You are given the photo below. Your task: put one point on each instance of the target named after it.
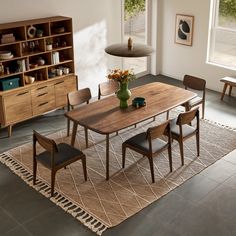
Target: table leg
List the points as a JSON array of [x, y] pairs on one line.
[[9, 130], [74, 131], [230, 90], [224, 89], [86, 136], [107, 157]]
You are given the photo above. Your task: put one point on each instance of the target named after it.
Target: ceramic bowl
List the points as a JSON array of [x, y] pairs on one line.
[[139, 101], [29, 79]]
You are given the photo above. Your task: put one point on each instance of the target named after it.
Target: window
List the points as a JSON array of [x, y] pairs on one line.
[[136, 25], [222, 44]]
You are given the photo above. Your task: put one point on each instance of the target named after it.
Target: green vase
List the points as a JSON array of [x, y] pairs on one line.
[[124, 94]]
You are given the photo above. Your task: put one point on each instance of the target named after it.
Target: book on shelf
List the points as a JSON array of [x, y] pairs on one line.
[[55, 58]]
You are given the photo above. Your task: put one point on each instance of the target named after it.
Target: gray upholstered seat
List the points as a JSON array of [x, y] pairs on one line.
[[65, 153], [141, 141], [186, 129]]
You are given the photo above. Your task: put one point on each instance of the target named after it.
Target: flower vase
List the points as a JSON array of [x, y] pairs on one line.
[[123, 94]]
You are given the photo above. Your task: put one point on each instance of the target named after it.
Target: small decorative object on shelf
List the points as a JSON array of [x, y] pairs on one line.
[[31, 32], [8, 38], [1, 69], [60, 30], [40, 61], [39, 33], [49, 43], [29, 79], [123, 77]]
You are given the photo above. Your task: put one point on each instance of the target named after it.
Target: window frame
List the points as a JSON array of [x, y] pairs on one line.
[[213, 27], [147, 33]]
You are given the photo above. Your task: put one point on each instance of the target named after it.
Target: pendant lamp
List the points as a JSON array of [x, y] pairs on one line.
[[129, 50]]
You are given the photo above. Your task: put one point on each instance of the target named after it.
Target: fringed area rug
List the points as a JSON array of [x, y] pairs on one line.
[[101, 204]]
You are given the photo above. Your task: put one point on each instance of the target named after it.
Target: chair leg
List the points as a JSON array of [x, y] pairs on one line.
[[198, 143], [187, 107], [86, 136], [53, 175], [154, 118], [34, 171], [84, 168], [151, 168], [123, 155], [181, 147], [170, 158], [117, 133], [68, 127], [167, 115], [203, 110], [230, 89]]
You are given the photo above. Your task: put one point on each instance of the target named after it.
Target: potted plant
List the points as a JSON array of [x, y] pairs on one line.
[[39, 32], [49, 42]]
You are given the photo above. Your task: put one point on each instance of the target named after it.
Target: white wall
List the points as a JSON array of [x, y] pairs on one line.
[[177, 60], [95, 23]]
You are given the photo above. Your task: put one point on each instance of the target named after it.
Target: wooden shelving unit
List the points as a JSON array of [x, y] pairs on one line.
[[53, 79]]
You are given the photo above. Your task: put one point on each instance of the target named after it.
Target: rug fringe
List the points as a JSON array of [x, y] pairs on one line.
[[220, 125], [66, 204]]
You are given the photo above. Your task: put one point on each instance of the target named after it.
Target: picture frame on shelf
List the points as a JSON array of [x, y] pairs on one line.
[[184, 29]]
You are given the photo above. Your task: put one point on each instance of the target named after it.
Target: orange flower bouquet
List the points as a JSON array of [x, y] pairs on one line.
[[122, 76]]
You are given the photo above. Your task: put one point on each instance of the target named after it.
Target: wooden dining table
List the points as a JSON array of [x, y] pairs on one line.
[[105, 116]]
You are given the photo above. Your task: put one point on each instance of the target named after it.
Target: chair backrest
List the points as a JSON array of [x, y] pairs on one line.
[[107, 88], [46, 143], [187, 117], [195, 83], [157, 131], [78, 97]]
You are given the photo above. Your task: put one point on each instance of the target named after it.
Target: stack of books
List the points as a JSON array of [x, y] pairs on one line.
[[8, 38]]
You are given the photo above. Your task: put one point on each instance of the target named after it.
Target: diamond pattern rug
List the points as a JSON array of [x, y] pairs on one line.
[[101, 204]]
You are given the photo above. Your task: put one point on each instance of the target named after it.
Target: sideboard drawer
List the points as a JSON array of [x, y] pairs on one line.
[[40, 91], [43, 99], [43, 106]]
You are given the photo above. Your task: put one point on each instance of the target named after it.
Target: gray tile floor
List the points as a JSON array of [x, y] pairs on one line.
[[204, 205]]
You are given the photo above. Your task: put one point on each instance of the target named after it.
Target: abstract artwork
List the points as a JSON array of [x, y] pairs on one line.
[[184, 29]]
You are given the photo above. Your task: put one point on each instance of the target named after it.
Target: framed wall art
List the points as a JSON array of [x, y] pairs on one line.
[[184, 29]]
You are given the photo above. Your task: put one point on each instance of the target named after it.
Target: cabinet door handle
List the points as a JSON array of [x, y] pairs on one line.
[[44, 103], [42, 94], [60, 82], [19, 94], [42, 87]]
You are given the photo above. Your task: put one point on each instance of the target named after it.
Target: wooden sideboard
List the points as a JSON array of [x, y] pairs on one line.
[[53, 79]]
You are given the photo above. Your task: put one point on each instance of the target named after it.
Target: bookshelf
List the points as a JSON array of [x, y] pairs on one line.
[[36, 68]]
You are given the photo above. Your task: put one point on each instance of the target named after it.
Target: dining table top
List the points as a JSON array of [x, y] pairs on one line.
[[105, 116]]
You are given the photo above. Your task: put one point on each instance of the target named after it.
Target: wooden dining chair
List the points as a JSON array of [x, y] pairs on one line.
[[76, 98], [55, 157], [181, 129], [197, 85], [107, 88], [149, 144]]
